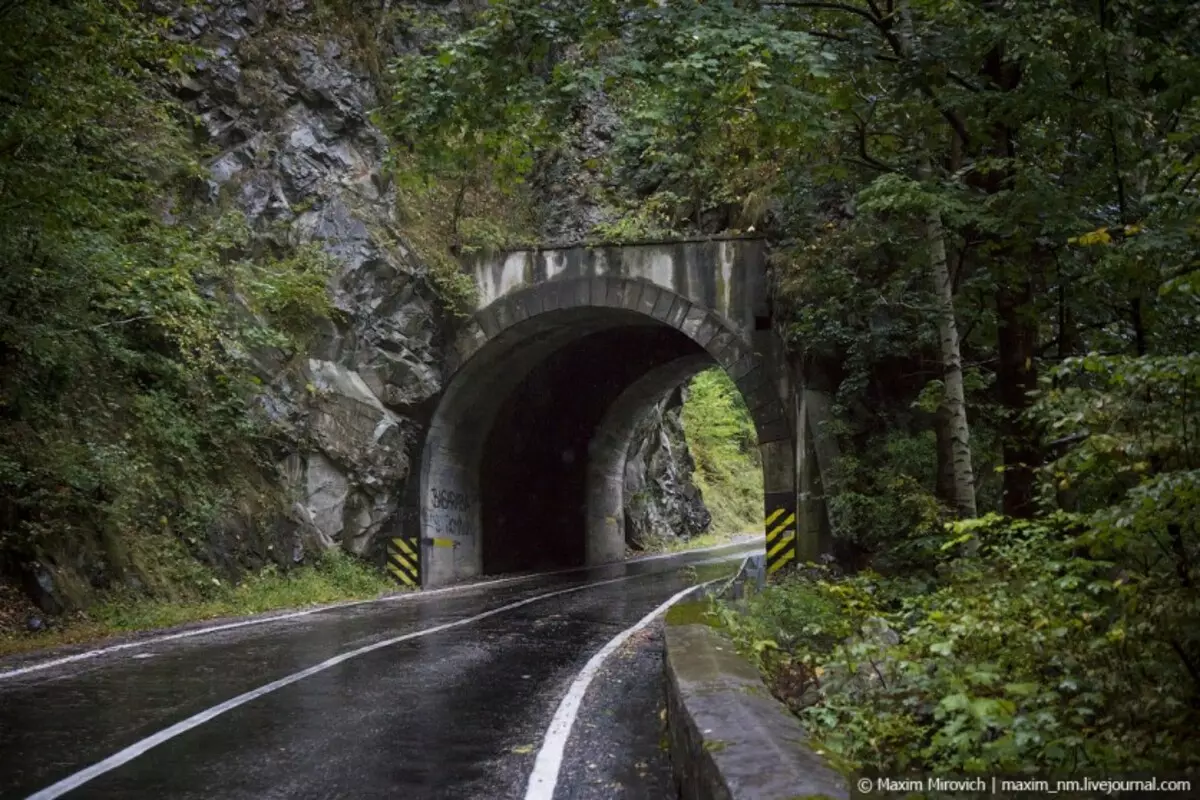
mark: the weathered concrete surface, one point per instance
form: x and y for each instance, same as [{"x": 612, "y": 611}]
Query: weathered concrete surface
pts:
[
  {"x": 724, "y": 275},
  {"x": 634, "y": 485},
  {"x": 729, "y": 739}
]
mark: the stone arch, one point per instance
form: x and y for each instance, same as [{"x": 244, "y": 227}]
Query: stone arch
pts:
[
  {"x": 610, "y": 446},
  {"x": 502, "y": 347}
]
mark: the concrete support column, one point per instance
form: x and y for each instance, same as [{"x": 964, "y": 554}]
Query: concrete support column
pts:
[
  {"x": 822, "y": 451},
  {"x": 779, "y": 501}
]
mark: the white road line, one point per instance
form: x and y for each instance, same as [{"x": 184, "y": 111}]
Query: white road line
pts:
[
  {"x": 544, "y": 777},
  {"x": 170, "y": 637},
  {"x": 73, "y": 782}
]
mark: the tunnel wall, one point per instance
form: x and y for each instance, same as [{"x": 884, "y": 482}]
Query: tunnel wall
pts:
[
  {"x": 609, "y": 448},
  {"x": 724, "y": 275}
]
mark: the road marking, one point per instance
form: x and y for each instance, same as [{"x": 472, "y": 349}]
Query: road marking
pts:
[
  {"x": 544, "y": 777},
  {"x": 787, "y": 556},
  {"x": 73, "y": 782},
  {"x": 228, "y": 626},
  {"x": 404, "y": 561}
]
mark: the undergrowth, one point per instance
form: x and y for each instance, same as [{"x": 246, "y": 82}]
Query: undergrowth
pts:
[
  {"x": 335, "y": 577},
  {"x": 1033, "y": 653}
]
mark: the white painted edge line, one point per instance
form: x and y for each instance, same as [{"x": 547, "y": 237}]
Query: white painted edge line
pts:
[
  {"x": 121, "y": 757},
  {"x": 544, "y": 777},
  {"x": 170, "y": 637}
]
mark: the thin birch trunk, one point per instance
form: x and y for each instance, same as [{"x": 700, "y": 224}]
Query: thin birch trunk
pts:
[{"x": 954, "y": 398}]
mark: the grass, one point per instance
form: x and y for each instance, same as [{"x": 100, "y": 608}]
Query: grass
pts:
[
  {"x": 722, "y": 439},
  {"x": 336, "y": 577}
]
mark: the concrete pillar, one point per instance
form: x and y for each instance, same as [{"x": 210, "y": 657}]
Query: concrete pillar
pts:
[{"x": 779, "y": 501}]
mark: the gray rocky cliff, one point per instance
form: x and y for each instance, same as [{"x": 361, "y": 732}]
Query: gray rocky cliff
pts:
[
  {"x": 285, "y": 107},
  {"x": 662, "y": 503}
]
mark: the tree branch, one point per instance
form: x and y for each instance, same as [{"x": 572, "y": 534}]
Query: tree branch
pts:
[{"x": 884, "y": 25}]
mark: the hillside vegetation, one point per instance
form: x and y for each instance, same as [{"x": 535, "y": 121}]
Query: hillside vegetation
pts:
[
  {"x": 131, "y": 312},
  {"x": 720, "y": 435}
]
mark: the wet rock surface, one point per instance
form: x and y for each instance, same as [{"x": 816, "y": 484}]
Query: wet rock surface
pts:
[
  {"x": 661, "y": 500},
  {"x": 284, "y": 104}
]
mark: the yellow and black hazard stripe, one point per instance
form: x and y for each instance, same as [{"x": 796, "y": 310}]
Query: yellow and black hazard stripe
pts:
[
  {"x": 780, "y": 523},
  {"x": 404, "y": 561}
]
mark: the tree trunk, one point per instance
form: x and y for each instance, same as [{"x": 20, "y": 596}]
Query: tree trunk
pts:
[
  {"x": 1016, "y": 377},
  {"x": 945, "y": 456},
  {"x": 954, "y": 399}
]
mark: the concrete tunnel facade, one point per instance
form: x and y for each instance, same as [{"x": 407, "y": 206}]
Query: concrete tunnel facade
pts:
[{"x": 523, "y": 462}]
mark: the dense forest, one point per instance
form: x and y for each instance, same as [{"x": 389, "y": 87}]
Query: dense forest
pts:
[
  {"x": 984, "y": 218},
  {"x": 985, "y": 222}
]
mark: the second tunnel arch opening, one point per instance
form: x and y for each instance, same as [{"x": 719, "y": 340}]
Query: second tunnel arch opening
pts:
[{"x": 534, "y": 473}]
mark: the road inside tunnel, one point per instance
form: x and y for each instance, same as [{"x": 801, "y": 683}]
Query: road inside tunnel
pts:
[{"x": 534, "y": 469}]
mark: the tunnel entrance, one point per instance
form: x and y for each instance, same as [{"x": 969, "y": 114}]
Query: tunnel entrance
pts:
[
  {"x": 524, "y": 459},
  {"x": 534, "y": 468}
]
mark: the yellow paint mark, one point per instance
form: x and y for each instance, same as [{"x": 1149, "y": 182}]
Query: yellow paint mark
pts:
[
  {"x": 405, "y": 546},
  {"x": 774, "y": 516},
  {"x": 523, "y": 749},
  {"x": 443, "y": 543},
  {"x": 787, "y": 537},
  {"x": 787, "y": 521},
  {"x": 402, "y": 561},
  {"x": 787, "y": 556},
  {"x": 399, "y": 573}
]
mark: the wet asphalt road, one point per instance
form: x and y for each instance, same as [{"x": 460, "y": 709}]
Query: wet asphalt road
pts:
[{"x": 458, "y": 713}]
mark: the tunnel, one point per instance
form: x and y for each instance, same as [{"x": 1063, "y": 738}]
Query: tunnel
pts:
[
  {"x": 534, "y": 471},
  {"x": 523, "y": 464}
]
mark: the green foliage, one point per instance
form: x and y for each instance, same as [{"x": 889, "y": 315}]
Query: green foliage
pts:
[
  {"x": 886, "y": 502},
  {"x": 1021, "y": 656},
  {"x": 129, "y": 321},
  {"x": 1065, "y": 643},
  {"x": 722, "y": 441}
]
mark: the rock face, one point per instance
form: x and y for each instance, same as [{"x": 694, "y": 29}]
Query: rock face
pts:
[
  {"x": 661, "y": 501},
  {"x": 287, "y": 110},
  {"x": 566, "y": 181}
]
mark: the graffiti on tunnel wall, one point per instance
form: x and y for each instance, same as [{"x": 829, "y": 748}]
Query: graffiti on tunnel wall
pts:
[{"x": 450, "y": 513}]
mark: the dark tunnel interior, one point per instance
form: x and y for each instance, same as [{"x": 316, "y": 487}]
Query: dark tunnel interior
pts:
[{"x": 534, "y": 467}]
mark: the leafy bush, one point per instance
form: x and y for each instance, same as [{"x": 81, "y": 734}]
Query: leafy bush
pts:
[
  {"x": 1069, "y": 641},
  {"x": 1027, "y": 655}
]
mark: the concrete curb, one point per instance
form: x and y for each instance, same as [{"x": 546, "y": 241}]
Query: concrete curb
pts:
[{"x": 729, "y": 738}]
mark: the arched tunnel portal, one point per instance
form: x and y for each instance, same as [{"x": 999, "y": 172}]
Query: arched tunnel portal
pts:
[{"x": 523, "y": 464}]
